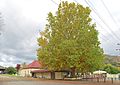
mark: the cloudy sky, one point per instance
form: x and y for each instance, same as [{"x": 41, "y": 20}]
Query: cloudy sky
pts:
[{"x": 23, "y": 19}]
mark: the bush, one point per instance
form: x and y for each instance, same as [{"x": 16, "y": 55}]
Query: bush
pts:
[
  {"x": 11, "y": 70},
  {"x": 111, "y": 69}
]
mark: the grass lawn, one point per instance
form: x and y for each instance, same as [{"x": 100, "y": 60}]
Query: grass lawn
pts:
[{"x": 9, "y": 75}]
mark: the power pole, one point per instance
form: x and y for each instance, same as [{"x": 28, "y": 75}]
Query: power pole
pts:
[{"x": 118, "y": 49}]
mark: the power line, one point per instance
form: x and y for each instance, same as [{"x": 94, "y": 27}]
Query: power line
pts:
[
  {"x": 91, "y": 16},
  {"x": 95, "y": 20},
  {"x": 104, "y": 21},
  {"x": 76, "y": 1},
  {"x": 95, "y": 11},
  {"x": 54, "y": 2},
  {"x": 101, "y": 27},
  {"x": 97, "y": 23},
  {"x": 109, "y": 12},
  {"x": 115, "y": 22}
]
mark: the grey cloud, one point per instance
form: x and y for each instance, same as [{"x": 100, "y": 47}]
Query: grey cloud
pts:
[{"x": 18, "y": 42}]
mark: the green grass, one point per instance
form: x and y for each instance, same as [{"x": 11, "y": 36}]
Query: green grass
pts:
[{"x": 8, "y": 75}]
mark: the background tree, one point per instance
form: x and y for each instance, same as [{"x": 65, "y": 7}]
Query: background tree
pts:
[
  {"x": 111, "y": 69},
  {"x": 11, "y": 70},
  {"x": 70, "y": 40}
]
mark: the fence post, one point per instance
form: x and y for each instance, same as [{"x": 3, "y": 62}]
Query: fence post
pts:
[
  {"x": 104, "y": 79},
  {"x": 97, "y": 79},
  {"x": 112, "y": 80}
]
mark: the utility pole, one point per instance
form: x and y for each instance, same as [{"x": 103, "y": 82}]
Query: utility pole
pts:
[{"x": 118, "y": 49}]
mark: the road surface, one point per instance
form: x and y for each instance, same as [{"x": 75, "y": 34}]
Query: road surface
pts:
[{"x": 7, "y": 80}]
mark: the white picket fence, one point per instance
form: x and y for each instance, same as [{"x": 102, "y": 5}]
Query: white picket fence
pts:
[{"x": 114, "y": 76}]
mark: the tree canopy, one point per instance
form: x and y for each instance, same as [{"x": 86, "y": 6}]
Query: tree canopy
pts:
[
  {"x": 11, "y": 70},
  {"x": 70, "y": 40},
  {"x": 111, "y": 69}
]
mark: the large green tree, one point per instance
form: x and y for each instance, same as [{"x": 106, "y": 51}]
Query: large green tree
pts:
[
  {"x": 70, "y": 40},
  {"x": 11, "y": 70}
]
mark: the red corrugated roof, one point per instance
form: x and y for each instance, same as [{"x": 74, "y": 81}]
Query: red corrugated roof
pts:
[
  {"x": 40, "y": 71},
  {"x": 35, "y": 64}
]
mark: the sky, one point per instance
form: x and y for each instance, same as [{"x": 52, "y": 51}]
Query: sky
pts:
[{"x": 23, "y": 19}]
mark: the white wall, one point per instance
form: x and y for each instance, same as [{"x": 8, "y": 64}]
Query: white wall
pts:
[
  {"x": 26, "y": 72},
  {"x": 113, "y": 75},
  {"x": 44, "y": 75}
]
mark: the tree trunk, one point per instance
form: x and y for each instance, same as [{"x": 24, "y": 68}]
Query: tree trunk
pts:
[
  {"x": 52, "y": 75},
  {"x": 73, "y": 72}
]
